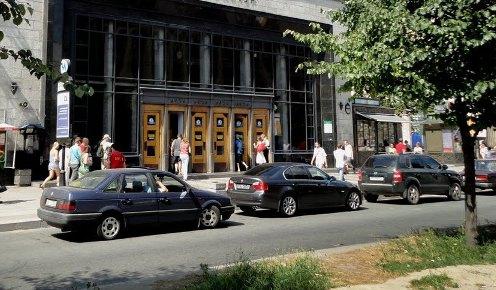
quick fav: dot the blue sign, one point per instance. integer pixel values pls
(63, 115)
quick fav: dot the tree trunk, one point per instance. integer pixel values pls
(468, 143)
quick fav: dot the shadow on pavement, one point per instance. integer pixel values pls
(267, 213)
(423, 200)
(486, 192)
(89, 235)
(13, 201)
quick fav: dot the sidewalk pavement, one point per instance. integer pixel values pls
(18, 205)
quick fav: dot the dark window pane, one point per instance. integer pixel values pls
(133, 28)
(82, 22)
(223, 66)
(82, 37)
(195, 64)
(81, 67)
(125, 125)
(298, 127)
(177, 62)
(121, 27)
(97, 53)
(417, 162)
(264, 73)
(298, 97)
(216, 40)
(183, 35)
(147, 60)
(96, 24)
(81, 52)
(297, 78)
(430, 162)
(146, 30)
(281, 127)
(126, 62)
(196, 37)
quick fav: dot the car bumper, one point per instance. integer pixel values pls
(227, 211)
(252, 199)
(485, 185)
(65, 220)
(382, 189)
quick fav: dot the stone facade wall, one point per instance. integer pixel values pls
(300, 9)
(30, 89)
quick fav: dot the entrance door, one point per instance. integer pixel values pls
(175, 126)
(221, 140)
(260, 125)
(151, 139)
(241, 132)
(198, 141)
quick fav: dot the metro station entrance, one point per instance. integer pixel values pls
(152, 135)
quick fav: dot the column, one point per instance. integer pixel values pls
(245, 65)
(159, 55)
(108, 72)
(281, 86)
(205, 67)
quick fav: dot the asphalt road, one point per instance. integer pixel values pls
(46, 258)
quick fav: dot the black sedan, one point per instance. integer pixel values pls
(289, 187)
(485, 174)
(109, 201)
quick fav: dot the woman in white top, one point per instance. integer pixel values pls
(319, 156)
(418, 149)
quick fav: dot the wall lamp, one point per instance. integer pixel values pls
(13, 87)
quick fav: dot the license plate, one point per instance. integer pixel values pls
(243, 186)
(375, 178)
(51, 203)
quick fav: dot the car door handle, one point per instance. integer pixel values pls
(164, 200)
(127, 201)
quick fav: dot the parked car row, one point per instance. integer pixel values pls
(110, 201)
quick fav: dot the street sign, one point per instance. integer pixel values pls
(63, 115)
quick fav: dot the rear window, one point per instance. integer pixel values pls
(383, 161)
(261, 170)
(89, 181)
(485, 165)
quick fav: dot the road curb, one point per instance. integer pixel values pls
(29, 225)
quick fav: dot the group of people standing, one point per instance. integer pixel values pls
(343, 156)
(79, 160)
(180, 151)
(402, 147)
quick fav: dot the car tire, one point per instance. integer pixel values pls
(353, 201)
(288, 206)
(248, 209)
(412, 194)
(455, 191)
(210, 217)
(371, 197)
(109, 227)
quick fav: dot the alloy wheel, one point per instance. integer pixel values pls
(455, 192)
(413, 195)
(353, 201)
(289, 205)
(210, 217)
(110, 227)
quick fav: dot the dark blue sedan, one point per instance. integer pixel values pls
(111, 200)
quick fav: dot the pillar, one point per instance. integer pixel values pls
(108, 72)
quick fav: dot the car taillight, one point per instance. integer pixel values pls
(360, 176)
(67, 206)
(260, 186)
(397, 176)
(481, 178)
(230, 185)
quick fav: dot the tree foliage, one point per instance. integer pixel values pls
(16, 12)
(416, 54)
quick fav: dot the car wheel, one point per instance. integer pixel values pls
(210, 217)
(371, 197)
(455, 191)
(247, 209)
(288, 206)
(412, 195)
(109, 227)
(353, 201)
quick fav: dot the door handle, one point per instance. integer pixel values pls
(164, 200)
(127, 201)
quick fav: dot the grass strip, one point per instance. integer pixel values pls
(433, 282)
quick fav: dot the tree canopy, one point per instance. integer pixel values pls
(16, 12)
(416, 54)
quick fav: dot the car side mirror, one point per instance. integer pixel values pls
(444, 167)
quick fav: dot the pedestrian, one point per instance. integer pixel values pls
(259, 148)
(483, 150)
(400, 147)
(176, 153)
(408, 148)
(53, 165)
(267, 146)
(86, 162)
(116, 158)
(85, 142)
(75, 158)
(339, 156)
(348, 150)
(319, 156)
(390, 149)
(185, 150)
(418, 149)
(64, 166)
(103, 151)
(2, 168)
(239, 150)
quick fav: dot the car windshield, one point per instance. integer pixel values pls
(90, 180)
(384, 161)
(485, 165)
(259, 170)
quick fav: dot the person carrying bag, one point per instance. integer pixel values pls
(86, 162)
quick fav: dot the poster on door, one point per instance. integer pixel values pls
(447, 141)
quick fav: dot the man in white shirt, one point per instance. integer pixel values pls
(348, 151)
(339, 156)
(319, 156)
